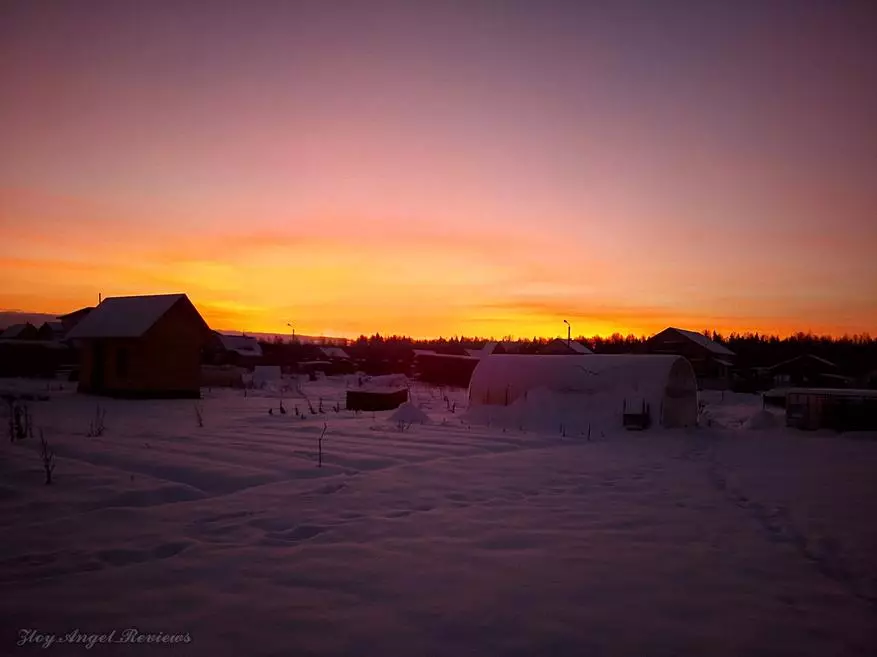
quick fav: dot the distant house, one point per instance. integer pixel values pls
(141, 346)
(486, 350)
(71, 319)
(807, 370)
(238, 350)
(26, 331)
(51, 331)
(507, 347)
(33, 358)
(712, 362)
(565, 348)
(334, 353)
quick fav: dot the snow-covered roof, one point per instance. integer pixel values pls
(242, 345)
(705, 342)
(825, 362)
(334, 352)
(573, 345)
(486, 350)
(124, 317)
(13, 331)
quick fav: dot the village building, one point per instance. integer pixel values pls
(712, 362)
(141, 346)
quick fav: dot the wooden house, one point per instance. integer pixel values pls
(712, 362)
(71, 319)
(141, 346)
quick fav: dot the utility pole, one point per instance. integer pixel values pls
(568, 333)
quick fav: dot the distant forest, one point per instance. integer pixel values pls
(855, 355)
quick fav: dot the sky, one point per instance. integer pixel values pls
(445, 168)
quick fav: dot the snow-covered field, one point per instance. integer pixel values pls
(446, 538)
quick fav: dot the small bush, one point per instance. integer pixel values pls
(47, 455)
(97, 427)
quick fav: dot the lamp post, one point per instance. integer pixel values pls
(293, 330)
(568, 333)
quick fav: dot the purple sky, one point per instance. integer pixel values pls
(445, 167)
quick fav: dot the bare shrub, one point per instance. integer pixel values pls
(97, 426)
(47, 456)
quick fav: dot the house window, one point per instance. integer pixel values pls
(122, 363)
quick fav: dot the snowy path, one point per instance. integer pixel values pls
(443, 539)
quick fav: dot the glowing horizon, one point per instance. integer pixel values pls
(425, 169)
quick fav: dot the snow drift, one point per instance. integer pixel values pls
(575, 393)
(409, 414)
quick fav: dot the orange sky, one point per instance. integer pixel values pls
(438, 170)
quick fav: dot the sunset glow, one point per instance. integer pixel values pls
(444, 168)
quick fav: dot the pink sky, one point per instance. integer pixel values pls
(441, 168)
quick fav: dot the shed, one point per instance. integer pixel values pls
(445, 369)
(831, 408)
(141, 346)
(577, 392)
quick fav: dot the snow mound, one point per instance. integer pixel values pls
(410, 414)
(385, 382)
(763, 419)
(710, 417)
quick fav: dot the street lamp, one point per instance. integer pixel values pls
(568, 333)
(293, 330)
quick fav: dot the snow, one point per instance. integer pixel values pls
(243, 345)
(705, 342)
(763, 419)
(446, 538)
(579, 348)
(385, 383)
(265, 374)
(335, 352)
(124, 317)
(409, 413)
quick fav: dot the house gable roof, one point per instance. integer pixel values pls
(243, 345)
(804, 357)
(334, 352)
(75, 314)
(14, 331)
(573, 346)
(125, 317)
(705, 342)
